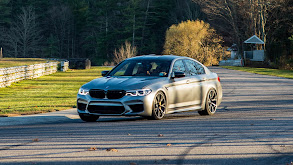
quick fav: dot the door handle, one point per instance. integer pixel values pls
(203, 79)
(187, 82)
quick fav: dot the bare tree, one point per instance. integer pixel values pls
(244, 18)
(25, 33)
(223, 12)
(126, 51)
(23, 38)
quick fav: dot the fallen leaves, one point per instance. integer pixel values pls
(108, 149)
(111, 150)
(92, 149)
(35, 140)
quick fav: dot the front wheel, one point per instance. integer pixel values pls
(211, 103)
(159, 106)
(88, 118)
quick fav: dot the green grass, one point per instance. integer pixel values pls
(264, 71)
(11, 62)
(46, 94)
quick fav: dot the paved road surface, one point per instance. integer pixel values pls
(254, 125)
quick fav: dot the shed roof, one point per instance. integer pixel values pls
(254, 40)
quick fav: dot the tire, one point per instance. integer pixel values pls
(210, 103)
(159, 106)
(88, 118)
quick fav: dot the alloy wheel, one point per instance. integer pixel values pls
(160, 104)
(212, 101)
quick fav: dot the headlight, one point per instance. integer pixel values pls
(139, 92)
(83, 91)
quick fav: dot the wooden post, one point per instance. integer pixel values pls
(1, 55)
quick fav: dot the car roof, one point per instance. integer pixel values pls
(156, 57)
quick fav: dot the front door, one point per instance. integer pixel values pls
(180, 89)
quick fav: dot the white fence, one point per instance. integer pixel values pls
(18, 73)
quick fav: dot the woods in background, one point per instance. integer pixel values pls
(95, 28)
(88, 28)
(270, 20)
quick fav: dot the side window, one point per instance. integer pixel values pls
(194, 68)
(200, 68)
(179, 66)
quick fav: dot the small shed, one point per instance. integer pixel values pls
(234, 51)
(253, 54)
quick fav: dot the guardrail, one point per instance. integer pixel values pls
(18, 73)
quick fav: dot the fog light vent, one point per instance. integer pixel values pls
(137, 107)
(81, 106)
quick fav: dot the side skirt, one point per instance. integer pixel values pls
(183, 109)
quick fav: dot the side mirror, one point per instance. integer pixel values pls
(177, 74)
(105, 72)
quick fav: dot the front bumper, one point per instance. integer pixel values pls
(125, 106)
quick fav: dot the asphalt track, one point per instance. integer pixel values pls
(253, 125)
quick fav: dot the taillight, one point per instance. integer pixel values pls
(219, 79)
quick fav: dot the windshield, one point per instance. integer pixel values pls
(142, 68)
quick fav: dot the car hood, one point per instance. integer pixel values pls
(125, 83)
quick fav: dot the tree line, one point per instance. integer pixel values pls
(88, 28)
(96, 28)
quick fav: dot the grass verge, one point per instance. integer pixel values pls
(263, 71)
(47, 93)
(11, 62)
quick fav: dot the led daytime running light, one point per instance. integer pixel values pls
(82, 91)
(140, 92)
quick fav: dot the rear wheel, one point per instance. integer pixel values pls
(159, 106)
(88, 118)
(211, 103)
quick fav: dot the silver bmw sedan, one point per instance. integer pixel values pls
(151, 86)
